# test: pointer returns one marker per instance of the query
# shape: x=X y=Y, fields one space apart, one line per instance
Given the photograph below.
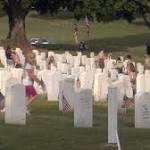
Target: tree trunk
x=16 y=35
x=16 y=16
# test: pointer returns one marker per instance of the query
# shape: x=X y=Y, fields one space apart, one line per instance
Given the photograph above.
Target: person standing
x=29 y=78
x=8 y=54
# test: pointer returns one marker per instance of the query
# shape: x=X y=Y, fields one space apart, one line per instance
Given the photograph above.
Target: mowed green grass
x=49 y=129
x=118 y=37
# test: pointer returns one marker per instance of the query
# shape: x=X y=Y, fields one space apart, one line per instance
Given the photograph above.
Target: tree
x=17 y=11
x=1 y=9
x=131 y=9
x=102 y=10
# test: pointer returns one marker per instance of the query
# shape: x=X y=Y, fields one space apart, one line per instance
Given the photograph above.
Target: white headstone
x=140 y=68
x=113 y=74
x=51 y=53
x=67 y=91
x=52 y=85
x=97 y=86
x=82 y=69
x=98 y=70
x=43 y=55
x=147 y=81
x=83 y=59
x=92 y=54
x=4 y=76
x=83 y=111
x=142 y=110
x=104 y=86
x=17 y=73
x=15 y=105
x=76 y=61
x=112 y=114
x=140 y=83
x=64 y=68
x=75 y=71
x=118 y=84
x=86 y=79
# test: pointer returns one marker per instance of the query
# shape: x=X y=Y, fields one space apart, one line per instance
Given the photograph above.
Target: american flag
x=66 y=106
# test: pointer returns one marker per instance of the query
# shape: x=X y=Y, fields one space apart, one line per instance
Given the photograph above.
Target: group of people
x=126 y=66
x=12 y=58
x=28 y=77
x=123 y=66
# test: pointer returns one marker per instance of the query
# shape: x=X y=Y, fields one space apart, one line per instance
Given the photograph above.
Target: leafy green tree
x=17 y=11
x=131 y=9
x=102 y=10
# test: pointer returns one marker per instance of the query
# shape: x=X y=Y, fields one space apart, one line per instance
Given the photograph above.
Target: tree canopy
x=101 y=10
x=131 y=9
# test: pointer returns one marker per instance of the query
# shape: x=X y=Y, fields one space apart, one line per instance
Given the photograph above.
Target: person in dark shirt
x=148 y=48
x=8 y=54
x=83 y=47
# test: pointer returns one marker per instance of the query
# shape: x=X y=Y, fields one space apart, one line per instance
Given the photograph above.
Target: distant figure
x=76 y=33
x=147 y=62
x=100 y=60
x=8 y=54
x=148 y=48
x=28 y=80
x=83 y=47
x=16 y=60
x=131 y=71
x=128 y=59
x=50 y=62
x=119 y=65
x=87 y=23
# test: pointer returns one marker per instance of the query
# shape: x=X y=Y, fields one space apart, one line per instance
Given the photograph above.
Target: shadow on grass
x=121 y=43
x=109 y=44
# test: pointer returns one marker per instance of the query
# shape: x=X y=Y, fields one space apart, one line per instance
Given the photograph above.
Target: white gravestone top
x=83 y=111
x=142 y=110
x=15 y=105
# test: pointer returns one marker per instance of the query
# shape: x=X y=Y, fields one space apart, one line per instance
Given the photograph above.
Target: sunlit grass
x=47 y=129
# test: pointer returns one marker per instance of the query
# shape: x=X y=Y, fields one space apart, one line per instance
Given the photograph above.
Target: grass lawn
x=49 y=129
x=118 y=37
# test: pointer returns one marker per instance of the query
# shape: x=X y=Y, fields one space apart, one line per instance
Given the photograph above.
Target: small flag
x=66 y=106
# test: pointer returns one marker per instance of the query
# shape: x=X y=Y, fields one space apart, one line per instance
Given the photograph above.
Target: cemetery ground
x=118 y=37
x=47 y=128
